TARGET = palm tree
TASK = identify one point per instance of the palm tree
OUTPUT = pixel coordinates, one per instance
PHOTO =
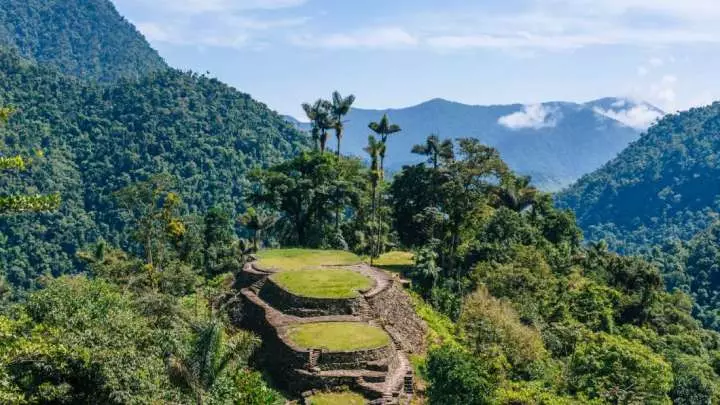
(319, 115)
(435, 150)
(258, 222)
(516, 193)
(212, 354)
(374, 149)
(340, 108)
(312, 113)
(384, 128)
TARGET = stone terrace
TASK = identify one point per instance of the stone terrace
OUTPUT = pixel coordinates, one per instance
(383, 375)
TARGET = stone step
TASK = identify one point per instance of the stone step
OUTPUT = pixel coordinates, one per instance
(379, 365)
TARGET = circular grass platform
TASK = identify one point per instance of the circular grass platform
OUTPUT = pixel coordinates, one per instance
(337, 398)
(323, 283)
(303, 259)
(338, 336)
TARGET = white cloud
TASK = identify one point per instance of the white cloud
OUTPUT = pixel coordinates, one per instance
(380, 37)
(642, 71)
(536, 116)
(639, 116)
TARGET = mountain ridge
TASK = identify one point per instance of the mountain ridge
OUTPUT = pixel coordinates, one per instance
(83, 38)
(540, 140)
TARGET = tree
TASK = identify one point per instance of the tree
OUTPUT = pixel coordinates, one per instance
(154, 209)
(339, 109)
(435, 150)
(318, 113)
(458, 377)
(212, 355)
(258, 222)
(13, 204)
(374, 149)
(620, 371)
(384, 129)
(306, 192)
(516, 193)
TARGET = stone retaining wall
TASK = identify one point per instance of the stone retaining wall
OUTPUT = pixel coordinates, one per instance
(289, 303)
(396, 312)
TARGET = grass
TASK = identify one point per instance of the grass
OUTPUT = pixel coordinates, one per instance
(323, 283)
(304, 259)
(337, 398)
(339, 336)
(398, 262)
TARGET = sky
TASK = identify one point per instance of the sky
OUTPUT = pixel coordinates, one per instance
(398, 53)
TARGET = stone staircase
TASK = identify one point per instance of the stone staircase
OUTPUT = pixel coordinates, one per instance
(313, 358)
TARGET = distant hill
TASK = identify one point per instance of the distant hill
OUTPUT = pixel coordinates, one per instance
(83, 38)
(554, 142)
(98, 139)
(665, 186)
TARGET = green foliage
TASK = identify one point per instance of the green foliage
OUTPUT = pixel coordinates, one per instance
(84, 38)
(661, 188)
(310, 192)
(98, 140)
(620, 371)
(458, 378)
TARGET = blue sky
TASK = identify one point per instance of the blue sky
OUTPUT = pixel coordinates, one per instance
(395, 53)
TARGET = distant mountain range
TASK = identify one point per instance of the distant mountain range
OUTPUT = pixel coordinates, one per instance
(664, 187)
(555, 142)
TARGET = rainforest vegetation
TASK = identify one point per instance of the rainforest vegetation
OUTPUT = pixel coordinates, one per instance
(131, 194)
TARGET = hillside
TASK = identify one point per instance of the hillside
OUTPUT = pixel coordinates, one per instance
(662, 187)
(555, 142)
(83, 38)
(97, 140)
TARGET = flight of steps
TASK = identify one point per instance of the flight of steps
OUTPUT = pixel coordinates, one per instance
(313, 358)
(258, 285)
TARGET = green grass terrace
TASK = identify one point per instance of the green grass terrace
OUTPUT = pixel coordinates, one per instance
(338, 336)
(324, 283)
(304, 259)
(337, 398)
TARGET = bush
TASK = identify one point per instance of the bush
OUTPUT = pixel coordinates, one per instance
(619, 371)
(457, 377)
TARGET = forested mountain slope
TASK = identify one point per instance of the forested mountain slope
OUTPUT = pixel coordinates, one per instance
(97, 140)
(555, 142)
(665, 186)
(84, 38)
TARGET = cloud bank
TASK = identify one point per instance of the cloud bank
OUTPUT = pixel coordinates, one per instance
(535, 116)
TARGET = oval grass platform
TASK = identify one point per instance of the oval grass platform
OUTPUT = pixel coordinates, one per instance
(338, 336)
(337, 398)
(303, 259)
(324, 283)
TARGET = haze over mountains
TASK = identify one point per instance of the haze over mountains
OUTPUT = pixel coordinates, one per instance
(555, 142)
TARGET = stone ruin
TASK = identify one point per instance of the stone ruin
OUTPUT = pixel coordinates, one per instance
(382, 375)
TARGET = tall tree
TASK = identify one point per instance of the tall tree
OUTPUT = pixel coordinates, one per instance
(258, 222)
(12, 204)
(153, 207)
(340, 108)
(384, 129)
(374, 149)
(516, 193)
(435, 150)
(320, 120)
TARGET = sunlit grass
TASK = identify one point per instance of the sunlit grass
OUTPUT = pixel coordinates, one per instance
(304, 259)
(323, 283)
(337, 398)
(399, 262)
(338, 336)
